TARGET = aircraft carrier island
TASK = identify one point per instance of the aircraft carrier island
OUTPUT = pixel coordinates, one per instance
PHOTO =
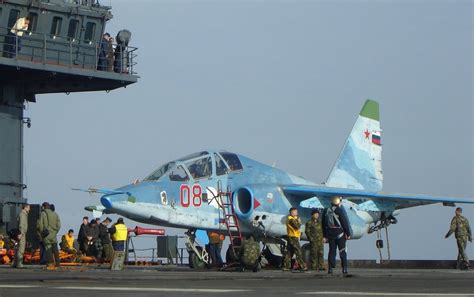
(53, 46)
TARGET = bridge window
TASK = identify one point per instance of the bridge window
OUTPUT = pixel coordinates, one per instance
(221, 168)
(72, 29)
(33, 21)
(56, 26)
(232, 160)
(179, 174)
(90, 32)
(14, 15)
(200, 168)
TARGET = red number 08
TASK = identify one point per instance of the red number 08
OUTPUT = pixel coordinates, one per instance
(185, 195)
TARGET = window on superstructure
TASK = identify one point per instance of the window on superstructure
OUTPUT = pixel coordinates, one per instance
(90, 32)
(33, 21)
(14, 15)
(56, 26)
(72, 29)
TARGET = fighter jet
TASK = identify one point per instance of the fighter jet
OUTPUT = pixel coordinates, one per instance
(230, 193)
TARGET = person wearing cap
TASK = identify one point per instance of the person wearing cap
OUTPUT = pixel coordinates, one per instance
(462, 231)
(314, 233)
(336, 231)
(119, 234)
(104, 236)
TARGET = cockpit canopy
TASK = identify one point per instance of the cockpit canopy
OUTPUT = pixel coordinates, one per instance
(198, 166)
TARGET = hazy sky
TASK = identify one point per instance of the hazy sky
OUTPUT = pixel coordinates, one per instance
(278, 81)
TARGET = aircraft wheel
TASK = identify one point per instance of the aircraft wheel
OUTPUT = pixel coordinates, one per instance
(194, 261)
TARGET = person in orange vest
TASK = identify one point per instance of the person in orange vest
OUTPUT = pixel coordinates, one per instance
(215, 248)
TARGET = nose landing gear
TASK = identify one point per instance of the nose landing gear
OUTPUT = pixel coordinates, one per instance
(198, 256)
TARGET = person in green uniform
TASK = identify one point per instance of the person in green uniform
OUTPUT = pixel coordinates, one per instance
(49, 225)
(23, 227)
(314, 233)
(249, 253)
(462, 231)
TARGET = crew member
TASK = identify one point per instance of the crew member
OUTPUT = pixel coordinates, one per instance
(49, 225)
(105, 240)
(462, 231)
(249, 254)
(12, 44)
(336, 231)
(81, 236)
(314, 233)
(67, 242)
(23, 228)
(119, 234)
(293, 247)
(215, 248)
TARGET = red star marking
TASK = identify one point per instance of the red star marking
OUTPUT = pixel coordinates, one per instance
(367, 133)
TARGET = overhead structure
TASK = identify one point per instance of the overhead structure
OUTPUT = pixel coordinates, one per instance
(50, 46)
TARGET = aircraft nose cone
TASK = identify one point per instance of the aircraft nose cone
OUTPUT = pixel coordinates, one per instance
(108, 201)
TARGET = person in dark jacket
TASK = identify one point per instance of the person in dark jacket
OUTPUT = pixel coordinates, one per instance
(103, 50)
(104, 236)
(119, 234)
(81, 236)
(91, 233)
(336, 231)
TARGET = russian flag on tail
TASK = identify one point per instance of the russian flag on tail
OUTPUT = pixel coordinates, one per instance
(376, 139)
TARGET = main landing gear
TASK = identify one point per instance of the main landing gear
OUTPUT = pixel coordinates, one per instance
(378, 226)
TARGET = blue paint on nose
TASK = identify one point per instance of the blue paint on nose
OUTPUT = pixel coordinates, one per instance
(109, 199)
(106, 202)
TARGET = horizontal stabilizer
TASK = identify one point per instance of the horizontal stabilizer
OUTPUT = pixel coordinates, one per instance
(304, 192)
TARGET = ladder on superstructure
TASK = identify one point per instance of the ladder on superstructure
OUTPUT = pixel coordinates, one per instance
(230, 219)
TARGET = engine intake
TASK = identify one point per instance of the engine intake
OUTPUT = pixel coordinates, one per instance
(243, 200)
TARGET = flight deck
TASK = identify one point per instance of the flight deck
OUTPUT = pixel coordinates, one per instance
(180, 281)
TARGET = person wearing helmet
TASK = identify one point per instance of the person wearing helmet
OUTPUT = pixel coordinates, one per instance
(336, 231)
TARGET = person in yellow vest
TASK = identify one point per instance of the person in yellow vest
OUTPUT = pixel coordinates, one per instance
(293, 225)
(67, 242)
(215, 248)
(118, 233)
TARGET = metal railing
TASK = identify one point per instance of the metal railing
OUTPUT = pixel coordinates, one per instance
(68, 52)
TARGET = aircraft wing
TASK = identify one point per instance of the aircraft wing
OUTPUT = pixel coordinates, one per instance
(398, 201)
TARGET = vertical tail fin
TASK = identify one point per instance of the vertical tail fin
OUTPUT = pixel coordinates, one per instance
(359, 165)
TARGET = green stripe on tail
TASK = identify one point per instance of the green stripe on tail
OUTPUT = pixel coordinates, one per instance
(370, 110)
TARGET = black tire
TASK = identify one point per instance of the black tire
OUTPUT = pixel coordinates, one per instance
(195, 262)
